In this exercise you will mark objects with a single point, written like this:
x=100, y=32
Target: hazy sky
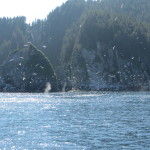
x=30, y=8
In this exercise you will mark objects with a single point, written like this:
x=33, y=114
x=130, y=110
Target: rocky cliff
x=104, y=69
x=27, y=70
x=106, y=53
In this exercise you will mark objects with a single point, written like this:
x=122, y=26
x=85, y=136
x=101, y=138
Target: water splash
x=122, y=6
x=64, y=87
x=48, y=87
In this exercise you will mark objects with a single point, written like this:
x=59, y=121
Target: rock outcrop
x=104, y=69
x=27, y=70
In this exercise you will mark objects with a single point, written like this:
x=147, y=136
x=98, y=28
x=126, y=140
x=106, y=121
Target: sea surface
x=75, y=121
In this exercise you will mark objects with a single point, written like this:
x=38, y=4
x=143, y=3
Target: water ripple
x=80, y=120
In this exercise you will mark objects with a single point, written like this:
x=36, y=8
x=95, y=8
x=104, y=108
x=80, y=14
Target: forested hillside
x=92, y=45
x=13, y=35
x=138, y=9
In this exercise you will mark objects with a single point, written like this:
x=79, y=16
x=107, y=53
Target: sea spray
x=48, y=87
x=64, y=87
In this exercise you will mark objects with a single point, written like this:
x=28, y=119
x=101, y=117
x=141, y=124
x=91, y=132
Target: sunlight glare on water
x=80, y=120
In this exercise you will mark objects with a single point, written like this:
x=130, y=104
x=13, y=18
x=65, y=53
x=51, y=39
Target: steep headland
x=27, y=70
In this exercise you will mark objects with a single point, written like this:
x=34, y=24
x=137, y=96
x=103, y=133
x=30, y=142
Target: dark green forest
x=122, y=27
x=49, y=35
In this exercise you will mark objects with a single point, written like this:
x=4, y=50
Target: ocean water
x=75, y=121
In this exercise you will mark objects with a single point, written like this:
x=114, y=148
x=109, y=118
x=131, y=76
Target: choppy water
x=109, y=121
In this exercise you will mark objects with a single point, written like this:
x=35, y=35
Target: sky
x=31, y=9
